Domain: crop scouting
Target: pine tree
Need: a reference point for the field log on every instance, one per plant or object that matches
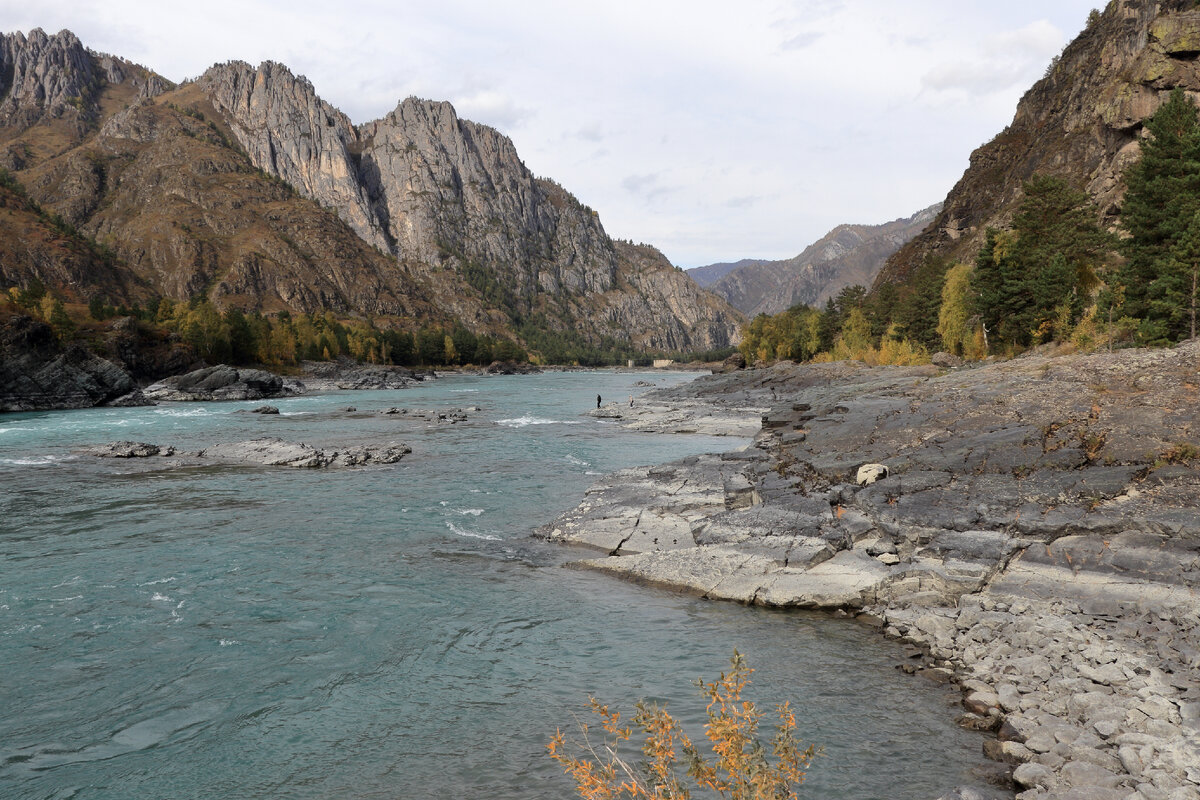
(1032, 281)
(1161, 202)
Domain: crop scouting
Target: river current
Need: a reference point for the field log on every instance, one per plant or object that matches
(384, 632)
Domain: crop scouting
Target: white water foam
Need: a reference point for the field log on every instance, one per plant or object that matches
(471, 534)
(579, 462)
(228, 642)
(157, 581)
(180, 412)
(36, 461)
(474, 512)
(162, 598)
(521, 422)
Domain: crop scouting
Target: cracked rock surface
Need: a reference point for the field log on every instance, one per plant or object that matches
(1038, 535)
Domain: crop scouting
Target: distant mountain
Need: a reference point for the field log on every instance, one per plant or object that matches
(246, 188)
(707, 276)
(847, 255)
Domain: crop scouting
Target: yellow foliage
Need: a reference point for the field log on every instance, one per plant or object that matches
(954, 317)
(742, 767)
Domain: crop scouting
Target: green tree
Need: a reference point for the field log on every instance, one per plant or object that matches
(917, 309)
(1032, 281)
(1161, 201)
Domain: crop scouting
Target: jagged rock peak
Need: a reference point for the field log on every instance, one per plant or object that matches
(291, 133)
(43, 74)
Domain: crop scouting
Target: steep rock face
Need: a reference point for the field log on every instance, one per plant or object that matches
(37, 373)
(1080, 122)
(846, 256)
(55, 80)
(665, 307)
(43, 75)
(434, 189)
(188, 215)
(420, 182)
(291, 133)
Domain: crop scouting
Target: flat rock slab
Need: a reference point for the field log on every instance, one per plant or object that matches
(271, 452)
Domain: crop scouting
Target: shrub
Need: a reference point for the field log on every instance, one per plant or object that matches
(742, 767)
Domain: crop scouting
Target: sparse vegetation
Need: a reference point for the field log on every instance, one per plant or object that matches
(741, 767)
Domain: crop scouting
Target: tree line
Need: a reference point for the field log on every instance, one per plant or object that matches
(1054, 275)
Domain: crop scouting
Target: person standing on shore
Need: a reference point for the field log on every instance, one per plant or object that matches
(631, 401)
(597, 401)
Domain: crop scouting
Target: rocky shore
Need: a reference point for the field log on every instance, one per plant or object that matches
(1037, 535)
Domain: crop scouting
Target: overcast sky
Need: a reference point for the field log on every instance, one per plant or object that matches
(714, 130)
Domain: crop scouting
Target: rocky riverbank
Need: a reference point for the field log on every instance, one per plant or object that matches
(1038, 535)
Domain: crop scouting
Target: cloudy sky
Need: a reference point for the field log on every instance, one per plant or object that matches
(714, 130)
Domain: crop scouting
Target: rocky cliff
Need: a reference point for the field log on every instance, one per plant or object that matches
(429, 187)
(846, 256)
(1080, 122)
(247, 188)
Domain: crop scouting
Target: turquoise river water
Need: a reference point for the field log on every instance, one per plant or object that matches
(385, 632)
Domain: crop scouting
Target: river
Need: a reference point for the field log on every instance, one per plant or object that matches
(383, 632)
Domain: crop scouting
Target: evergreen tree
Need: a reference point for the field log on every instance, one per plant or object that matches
(1032, 282)
(1161, 202)
(917, 311)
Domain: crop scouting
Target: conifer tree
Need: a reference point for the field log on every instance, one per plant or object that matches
(1161, 201)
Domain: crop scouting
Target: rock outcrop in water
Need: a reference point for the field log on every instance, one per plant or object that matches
(1038, 533)
(267, 451)
(37, 372)
(222, 382)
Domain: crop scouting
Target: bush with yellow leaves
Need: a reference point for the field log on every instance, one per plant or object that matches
(742, 767)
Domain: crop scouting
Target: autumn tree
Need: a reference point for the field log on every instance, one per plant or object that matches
(955, 316)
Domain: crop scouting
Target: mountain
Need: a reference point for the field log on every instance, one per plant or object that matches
(708, 275)
(846, 256)
(1081, 123)
(246, 188)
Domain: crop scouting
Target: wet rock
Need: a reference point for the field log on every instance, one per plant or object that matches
(221, 382)
(127, 450)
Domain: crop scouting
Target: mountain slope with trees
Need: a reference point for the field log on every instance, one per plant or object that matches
(246, 191)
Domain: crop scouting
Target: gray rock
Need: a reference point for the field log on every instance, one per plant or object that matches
(127, 450)
(221, 382)
(36, 372)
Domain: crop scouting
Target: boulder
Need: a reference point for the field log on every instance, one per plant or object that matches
(870, 473)
(221, 382)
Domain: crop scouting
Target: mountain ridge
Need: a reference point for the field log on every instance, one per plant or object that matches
(848, 254)
(246, 188)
